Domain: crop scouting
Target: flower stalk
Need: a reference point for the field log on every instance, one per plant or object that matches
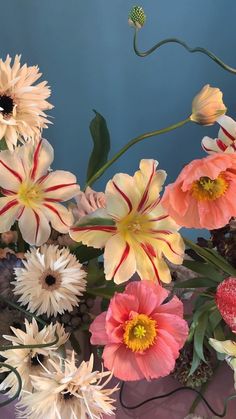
(132, 142)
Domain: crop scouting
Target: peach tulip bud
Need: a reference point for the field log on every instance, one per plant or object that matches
(208, 106)
(9, 237)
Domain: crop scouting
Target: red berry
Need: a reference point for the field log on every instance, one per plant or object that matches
(226, 301)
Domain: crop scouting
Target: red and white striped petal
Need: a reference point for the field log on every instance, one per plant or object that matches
(119, 260)
(37, 157)
(59, 216)
(149, 184)
(9, 207)
(227, 132)
(92, 235)
(121, 196)
(11, 171)
(171, 246)
(60, 185)
(34, 226)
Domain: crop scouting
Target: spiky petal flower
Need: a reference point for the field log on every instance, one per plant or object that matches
(136, 231)
(226, 301)
(22, 102)
(51, 280)
(226, 140)
(30, 361)
(33, 195)
(142, 336)
(68, 392)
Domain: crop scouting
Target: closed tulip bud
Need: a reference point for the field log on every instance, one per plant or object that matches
(208, 106)
(137, 17)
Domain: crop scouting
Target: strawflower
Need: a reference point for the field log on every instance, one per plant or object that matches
(33, 194)
(203, 194)
(136, 231)
(142, 336)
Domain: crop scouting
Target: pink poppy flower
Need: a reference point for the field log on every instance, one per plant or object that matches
(33, 194)
(203, 195)
(226, 140)
(142, 336)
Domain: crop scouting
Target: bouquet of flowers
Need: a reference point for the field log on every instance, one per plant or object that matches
(111, 266)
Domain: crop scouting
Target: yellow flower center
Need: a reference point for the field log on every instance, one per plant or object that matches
(206, 189)
(132, 225)
(30, 194)
(140, 333)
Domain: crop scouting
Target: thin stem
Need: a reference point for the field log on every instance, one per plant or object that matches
(135, 140)
(18, 377)
(204, 51)
(17, 307)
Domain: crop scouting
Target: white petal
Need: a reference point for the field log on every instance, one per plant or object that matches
(34, 226)
(60, 185)
(60, 218)
(121, 195)
(9, 208)
(119, 260)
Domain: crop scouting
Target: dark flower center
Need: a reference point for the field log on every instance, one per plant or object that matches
(36, 359)
(7, 104)
(67, 396)
(50, 280)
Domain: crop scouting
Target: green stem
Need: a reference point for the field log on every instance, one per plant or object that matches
(135, 140)
(183, 44)
(203, 390)
(18, 377)
(20, 241)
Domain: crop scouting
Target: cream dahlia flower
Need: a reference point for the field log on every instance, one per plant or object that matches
(22, 103)
(134, 228)
(68, 392)
(30, 361)
(33, 194)
(228, 349)
(51, 280)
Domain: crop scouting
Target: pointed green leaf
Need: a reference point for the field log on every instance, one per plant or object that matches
(101, 144)
(199, 335)
(195, 363)
(198, 282)
(204, 269)
(84, 253)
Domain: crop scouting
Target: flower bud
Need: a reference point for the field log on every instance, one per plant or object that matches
(207, 106)
(137, 17)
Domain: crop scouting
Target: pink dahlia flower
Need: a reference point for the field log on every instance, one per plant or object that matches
(142, 336)
(203, 195)
(87, 202)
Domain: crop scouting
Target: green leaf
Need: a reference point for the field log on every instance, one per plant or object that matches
(106, 292)
(214, 319)
(195, 363)
(199, 282)
(101, 144)
(204, 269)
(212, 257)
(84, 253)
(199, 335)
(96, 221)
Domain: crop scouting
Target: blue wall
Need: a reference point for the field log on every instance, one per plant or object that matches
(84, 49)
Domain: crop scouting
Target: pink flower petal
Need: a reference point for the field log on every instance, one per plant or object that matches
(98, 330)
(174, 325)
(148, 294)
(122, 362)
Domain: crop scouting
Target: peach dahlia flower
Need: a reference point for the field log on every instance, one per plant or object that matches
(136, 231)
(22, 102)
(33, 194)
(142, 336)
(203, 195)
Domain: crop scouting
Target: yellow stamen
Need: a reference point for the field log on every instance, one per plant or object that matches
(206, 189)
(140, 333)
(30, 194)
(133, 225)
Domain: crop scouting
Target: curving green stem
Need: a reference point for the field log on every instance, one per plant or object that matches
(135, 140)
(17, 393)
(183, 44)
